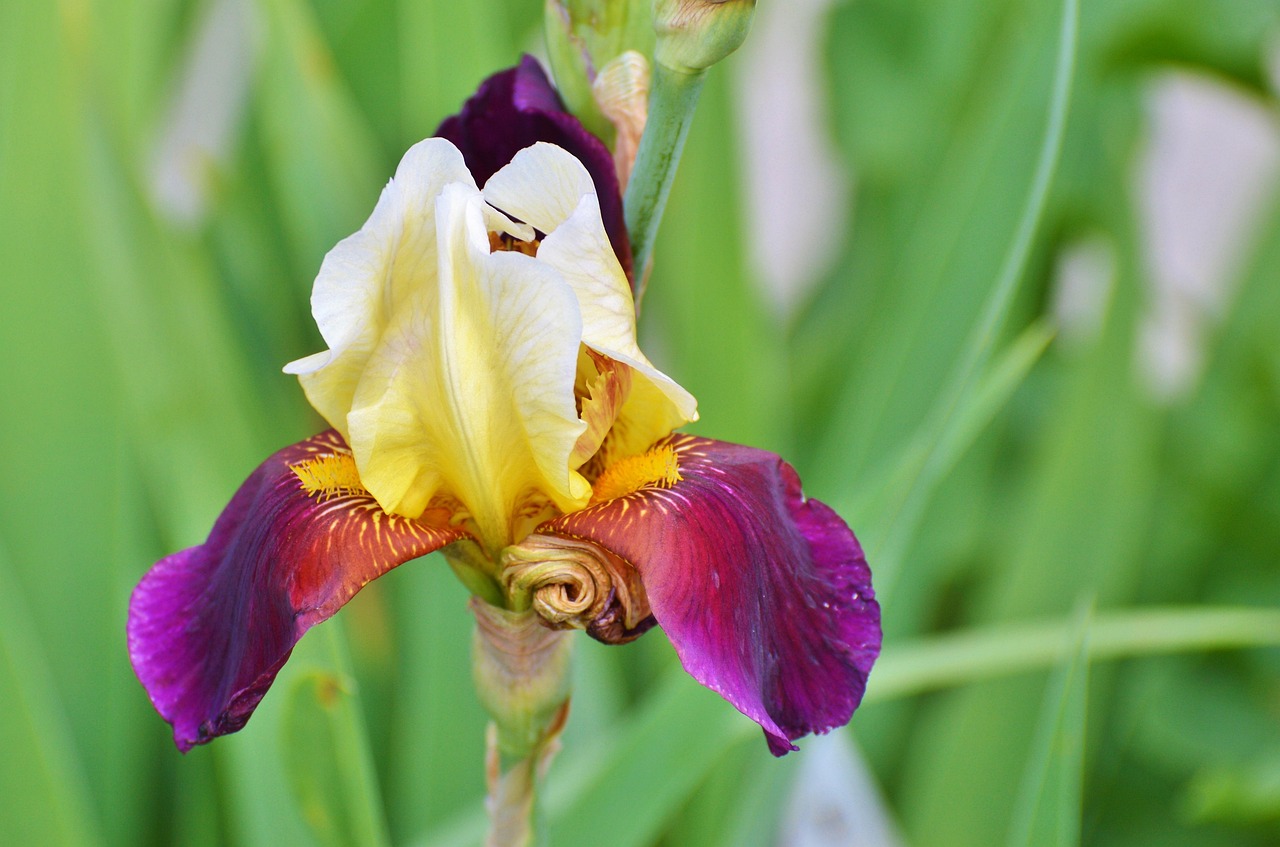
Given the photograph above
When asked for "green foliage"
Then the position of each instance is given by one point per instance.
(326, 754)
(1048, 805)
(995, 472)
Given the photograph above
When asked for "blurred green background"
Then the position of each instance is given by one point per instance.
(1055, 425)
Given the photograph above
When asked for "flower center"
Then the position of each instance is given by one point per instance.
(658, 467)
(502, 241)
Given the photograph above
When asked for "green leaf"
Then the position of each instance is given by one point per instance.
(301, 770)
(447, 49)
(80, 531)
(984, 653)
(44, 790)
(1247, 794)
(322, 157)
(1048, 807)
(641, 770)
(434, 765)
(326, 753)
(922, 308)
(951, 416)
(1225, 35)
(626, 786)
(898, 505)
(701, 283)
(738, 805)
(648, 769)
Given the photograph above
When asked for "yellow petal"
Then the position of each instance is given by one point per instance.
(471, 389)
(366, 276)
(541, 186)
(567, 209)
(451, 368)
(602, 385)
(655, 405)
(647, 416)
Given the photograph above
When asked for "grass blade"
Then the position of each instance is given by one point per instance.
(949, 414)
(45, 796)
(977, 654)
(624, 789)
(1048, 808)
(326, 754)
(322, 156)
(629, 786)
(996, 389)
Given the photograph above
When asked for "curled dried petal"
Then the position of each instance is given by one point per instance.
(577, 584)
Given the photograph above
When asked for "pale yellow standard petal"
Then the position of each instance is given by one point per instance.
(451, 369)
(470, 391)
(542, 186)
(579, 249)
(365, 278)
(549, 188)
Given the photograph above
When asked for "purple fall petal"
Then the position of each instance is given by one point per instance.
(210, 627)
(516, 108)
(765, 595)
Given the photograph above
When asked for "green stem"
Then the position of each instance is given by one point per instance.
(474, 571)
(673, 97)
(521, 671)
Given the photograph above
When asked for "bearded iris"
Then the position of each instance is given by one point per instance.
(486, 395)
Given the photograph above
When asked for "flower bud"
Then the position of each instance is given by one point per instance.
(621, 90)
(583, 38)
(695, 34)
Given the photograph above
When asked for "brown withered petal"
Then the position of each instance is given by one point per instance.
(577, 584)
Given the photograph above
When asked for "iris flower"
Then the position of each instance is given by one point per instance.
(486, 395)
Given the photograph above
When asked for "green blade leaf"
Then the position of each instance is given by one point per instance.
(623, 789)
(326, 754)
(44, 791)
(301, 770)
(907, 489)
(322, 156)
(641, 771)
(986, 653)
(652, 766)
(1048, 808)
(951, 415)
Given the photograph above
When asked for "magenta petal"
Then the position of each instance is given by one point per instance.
(516, 108)
(765, 595)
(209, 627)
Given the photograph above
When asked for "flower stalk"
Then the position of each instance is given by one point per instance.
(692, 35)
(673, 97)
(521, 673)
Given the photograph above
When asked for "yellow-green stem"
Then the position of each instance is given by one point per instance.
(673, 97)
(521, 671)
